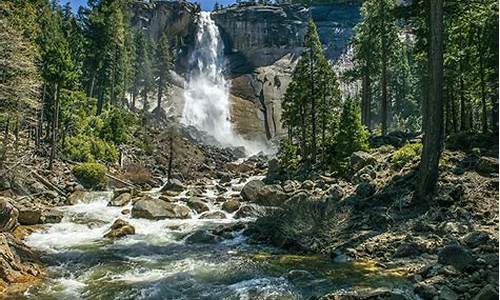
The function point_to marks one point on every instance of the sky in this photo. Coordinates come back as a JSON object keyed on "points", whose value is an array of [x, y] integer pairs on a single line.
{"points": [[205, 4]]}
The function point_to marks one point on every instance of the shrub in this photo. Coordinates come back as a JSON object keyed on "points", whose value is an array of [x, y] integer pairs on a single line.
{"points": [[352, 135], [115, 125], [86, 149], [91, 175], [406, 154]]}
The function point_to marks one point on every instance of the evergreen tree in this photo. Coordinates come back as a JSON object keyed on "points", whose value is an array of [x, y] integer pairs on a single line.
{"points": [[352, 135], [163, 66]]}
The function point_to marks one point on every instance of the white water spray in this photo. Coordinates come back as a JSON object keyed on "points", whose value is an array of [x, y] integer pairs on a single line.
{"points": [[206, 96]]}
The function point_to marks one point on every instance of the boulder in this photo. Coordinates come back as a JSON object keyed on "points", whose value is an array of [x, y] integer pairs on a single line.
{"points": [[308, 185], [119, 229], [476, 238], [8, 215], [231, 205], [249, 211], [51, 216], [488, 292], [76, 196], [487, 165], [335, 192], [213, 215], [197, 205], [29, 215], [250, 191], [156, 209], [225, 178], [273, 170], [201, 237], [173, 185], [360, 159], [121, 200], [365, 189], [456, 256]]}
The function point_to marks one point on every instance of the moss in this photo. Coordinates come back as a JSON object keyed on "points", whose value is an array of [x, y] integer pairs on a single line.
{"points": [[91, 175], [406, 154]]}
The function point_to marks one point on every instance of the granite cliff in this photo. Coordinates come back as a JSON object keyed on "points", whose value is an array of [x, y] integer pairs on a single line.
{"points": [[262, 45]]}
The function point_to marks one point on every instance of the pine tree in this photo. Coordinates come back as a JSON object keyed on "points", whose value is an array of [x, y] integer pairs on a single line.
{"points": [[163, 66], [352, 135]]}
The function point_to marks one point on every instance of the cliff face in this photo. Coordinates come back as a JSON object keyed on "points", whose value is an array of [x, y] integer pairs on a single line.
{"points": [[262, 45]]}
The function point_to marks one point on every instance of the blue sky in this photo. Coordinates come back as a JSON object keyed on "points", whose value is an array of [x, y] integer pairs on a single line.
{"points": [[205, 4]]}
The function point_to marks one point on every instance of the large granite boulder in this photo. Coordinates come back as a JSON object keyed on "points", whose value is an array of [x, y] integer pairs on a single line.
{"points": [[156, 209], [267, 195]]}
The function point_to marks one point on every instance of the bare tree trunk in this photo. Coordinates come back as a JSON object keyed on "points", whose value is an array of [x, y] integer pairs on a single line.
{"points": [[484, 111], [170, 156], [433, 106], [55, 124], [366, 100], [383, 83]]}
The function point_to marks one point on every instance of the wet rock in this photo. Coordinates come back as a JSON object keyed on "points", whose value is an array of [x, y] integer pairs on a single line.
{"points": [[456, 256], [76, 196], [231, 205], [173, 185], [213, 215], [273, 170], [125, 211], [488, 292], [365, 189], [197, 205], [51, 216], [19, 264], [225, 178], [120, 200], [249, 211], [308, 185], [250, 191], [8, 215], [28, 215], [119, 229], [335, 192], [201, 237], [156, 209]]}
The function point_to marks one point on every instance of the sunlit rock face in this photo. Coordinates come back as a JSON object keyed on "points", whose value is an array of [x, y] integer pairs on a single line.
{"points": [[261, 47]]}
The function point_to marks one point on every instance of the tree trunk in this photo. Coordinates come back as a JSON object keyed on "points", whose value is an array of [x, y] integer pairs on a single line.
{"points": [[160, 93], [55, 124], [433, 105], [383, 83], [170, 156], [453, 113], [484, 111], [366, 100], [92, 84]]}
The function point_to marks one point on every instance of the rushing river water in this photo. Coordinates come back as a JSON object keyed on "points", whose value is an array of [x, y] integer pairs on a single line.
{"points": [[157, 263]]}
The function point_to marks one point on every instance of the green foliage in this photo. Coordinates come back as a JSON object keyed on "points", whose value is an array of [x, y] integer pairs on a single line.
{"points": [[406, 154], [91, 175], [87, 149], [115, 125], [288, 156], [352, 135], [311, 102]]}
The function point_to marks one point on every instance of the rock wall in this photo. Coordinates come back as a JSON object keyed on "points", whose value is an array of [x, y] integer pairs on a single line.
{"points": [[262, 46]]}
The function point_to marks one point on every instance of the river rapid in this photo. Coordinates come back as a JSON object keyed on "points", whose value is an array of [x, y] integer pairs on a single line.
{"points": [[158, 263]]}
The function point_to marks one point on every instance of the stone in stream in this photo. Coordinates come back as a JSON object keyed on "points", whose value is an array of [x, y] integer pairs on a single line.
{"points": [[267, 195], [51, 216], [156, 209], [28, 214], [8, 215], [197, 205], [231, 205], [249, 211], [201, 237], [173, 185], [121, 200], [119, 229], [76, 197], [213, 215]]}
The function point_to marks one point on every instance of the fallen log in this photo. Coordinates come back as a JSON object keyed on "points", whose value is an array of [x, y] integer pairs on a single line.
{"points": [[119, 180], [48, 184]]}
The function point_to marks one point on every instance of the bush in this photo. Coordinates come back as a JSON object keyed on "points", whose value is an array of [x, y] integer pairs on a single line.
{"points": [[91, 175], [115, 125], [87, 149], [406, 154]]}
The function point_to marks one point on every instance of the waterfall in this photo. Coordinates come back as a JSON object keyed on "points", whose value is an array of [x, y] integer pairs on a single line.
{"points": [[206, 96]]}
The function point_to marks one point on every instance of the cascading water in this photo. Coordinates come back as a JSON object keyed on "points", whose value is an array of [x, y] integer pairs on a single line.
{"points": [[206, 96]]}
